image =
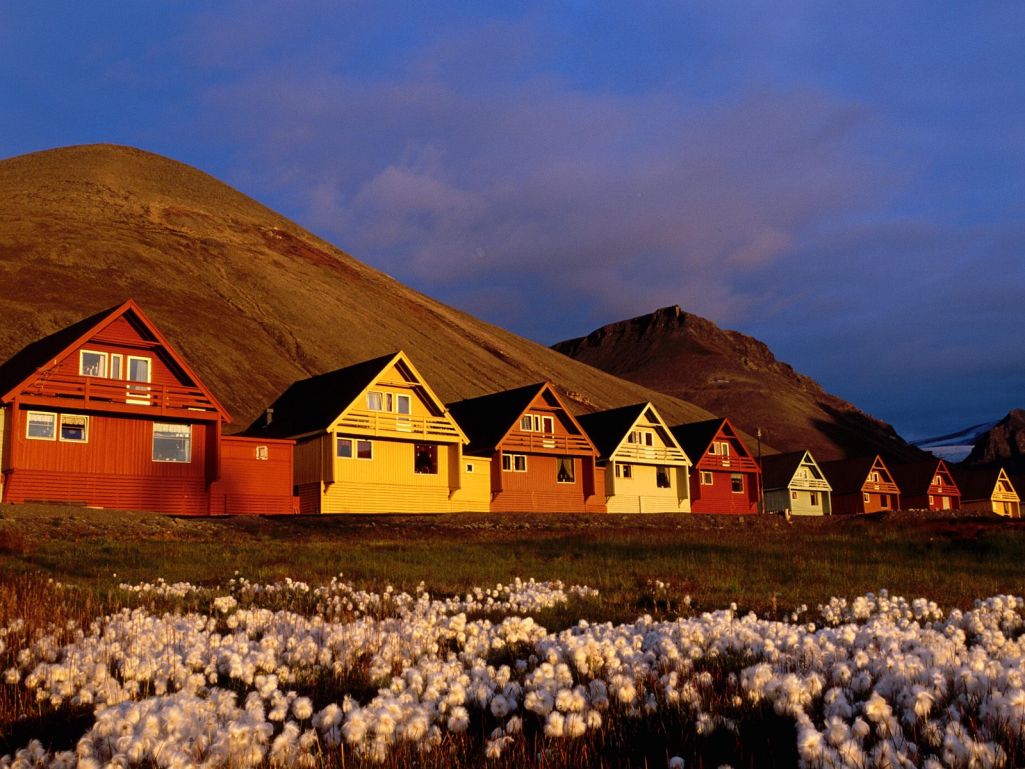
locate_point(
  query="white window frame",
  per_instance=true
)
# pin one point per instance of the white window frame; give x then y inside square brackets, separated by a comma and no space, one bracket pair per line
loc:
[28,423]
[547,424]
[85,429]
[371,396]
[469,467]
[138,390]
[514,463]
[169,427]
[724,448]
[81,363]
[120,358]
[734,477]
[669,477]
[572,470]
[526,423]
[262,453]
[706,478]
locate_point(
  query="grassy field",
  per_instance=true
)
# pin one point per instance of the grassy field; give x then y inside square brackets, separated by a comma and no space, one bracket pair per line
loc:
[60,568]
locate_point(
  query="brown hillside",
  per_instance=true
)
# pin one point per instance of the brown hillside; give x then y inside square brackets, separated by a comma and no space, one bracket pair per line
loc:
[1003,444]
[252,300]
[738,377]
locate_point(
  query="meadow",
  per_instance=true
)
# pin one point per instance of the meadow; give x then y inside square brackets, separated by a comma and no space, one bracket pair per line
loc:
[133,640]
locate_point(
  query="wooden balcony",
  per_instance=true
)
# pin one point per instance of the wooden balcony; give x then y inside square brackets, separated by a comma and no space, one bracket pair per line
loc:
[63,391]
[633,452]
[809,484]
[547,443]
[385,423]
[733,463]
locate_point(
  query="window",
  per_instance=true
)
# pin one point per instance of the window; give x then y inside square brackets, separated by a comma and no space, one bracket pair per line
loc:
[706,478]
[343,448]
[624,471]
[793,495]
[375,401]
[514,463]
[662,478]
[425,458]
[364,450]
[713,449]
[469,467]
[172,443]
[74,428]
[724,448]
[41,426]
[262,453]
[402,404]
[138,371]
[564,473]
[814,499]
[526,423]
[938,480]
[931,500]
[547,424]
[865,497]
[737,483]
[874,477]
[92,363]
[117,364]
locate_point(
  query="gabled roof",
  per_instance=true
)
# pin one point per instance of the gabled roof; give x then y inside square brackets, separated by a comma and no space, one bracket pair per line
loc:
[848,476]
[778,469]
[312,405]
[19,370]
[607,429]
[979,482]
[915,478]
[487,419]
[695,437]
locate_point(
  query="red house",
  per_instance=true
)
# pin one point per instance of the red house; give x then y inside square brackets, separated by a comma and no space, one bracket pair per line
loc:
[861,485]
[725,477]
[105,412]
[541,459]
[927,485]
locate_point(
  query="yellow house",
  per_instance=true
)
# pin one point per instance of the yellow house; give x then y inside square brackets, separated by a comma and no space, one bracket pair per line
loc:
[374,438]
[988,490]
[646,470]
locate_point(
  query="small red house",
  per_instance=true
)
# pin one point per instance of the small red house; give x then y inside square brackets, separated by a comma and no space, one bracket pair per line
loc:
[861,485]
[926,485]
[725,477]
[105,412]
[541,459]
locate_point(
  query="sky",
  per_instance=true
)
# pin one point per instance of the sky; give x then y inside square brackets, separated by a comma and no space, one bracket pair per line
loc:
[843,180]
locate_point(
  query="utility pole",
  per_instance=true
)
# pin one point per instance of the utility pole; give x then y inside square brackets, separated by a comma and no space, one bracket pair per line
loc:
[758,478]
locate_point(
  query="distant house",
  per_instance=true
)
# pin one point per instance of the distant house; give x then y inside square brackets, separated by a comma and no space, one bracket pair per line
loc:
[926,485]
[645,469]
[725,477]
[861,485]
[541,458]
[105,412]
[373,437]
[794,484]
[988,490]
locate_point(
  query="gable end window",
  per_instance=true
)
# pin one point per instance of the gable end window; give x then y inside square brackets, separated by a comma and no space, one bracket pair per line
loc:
[41,426]
[172,443]
[74,428]
[92,363]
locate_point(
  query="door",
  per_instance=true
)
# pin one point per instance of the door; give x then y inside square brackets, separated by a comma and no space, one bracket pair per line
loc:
[139,370]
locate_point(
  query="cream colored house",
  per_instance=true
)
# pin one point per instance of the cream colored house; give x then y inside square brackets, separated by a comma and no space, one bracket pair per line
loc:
[795,485]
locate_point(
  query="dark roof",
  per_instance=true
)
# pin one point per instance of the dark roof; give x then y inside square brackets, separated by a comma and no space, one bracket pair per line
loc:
[26,361]
[915,478]
[311,405]
[487,418]
[778,469]
[977,482]
[695,437]
[847,476]
[606,429]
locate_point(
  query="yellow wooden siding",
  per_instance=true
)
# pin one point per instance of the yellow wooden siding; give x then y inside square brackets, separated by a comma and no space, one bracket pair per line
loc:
[474,494]
[640,492]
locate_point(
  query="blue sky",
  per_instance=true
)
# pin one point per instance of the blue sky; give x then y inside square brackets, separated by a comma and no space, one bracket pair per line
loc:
[842,180]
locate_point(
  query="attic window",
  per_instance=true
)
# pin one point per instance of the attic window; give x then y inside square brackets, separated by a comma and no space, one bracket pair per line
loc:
[643,437]
[91,363]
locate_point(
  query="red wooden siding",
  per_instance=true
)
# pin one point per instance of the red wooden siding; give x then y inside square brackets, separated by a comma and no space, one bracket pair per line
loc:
[719,497]
[537,490]
[256,477]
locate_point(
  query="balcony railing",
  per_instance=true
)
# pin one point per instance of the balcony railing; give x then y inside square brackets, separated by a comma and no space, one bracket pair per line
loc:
[95,392]
[386,423]
[547,442]
[639,453]
[810,484]
[716,461]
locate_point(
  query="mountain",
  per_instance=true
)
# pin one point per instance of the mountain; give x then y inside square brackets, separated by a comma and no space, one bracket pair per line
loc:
[954,447]
[738,377]
[1003,444]
[251,299]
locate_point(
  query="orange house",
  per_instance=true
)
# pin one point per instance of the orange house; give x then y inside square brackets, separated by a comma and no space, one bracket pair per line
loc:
[541,459]
[106,412]
[927,485]
[861,485]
